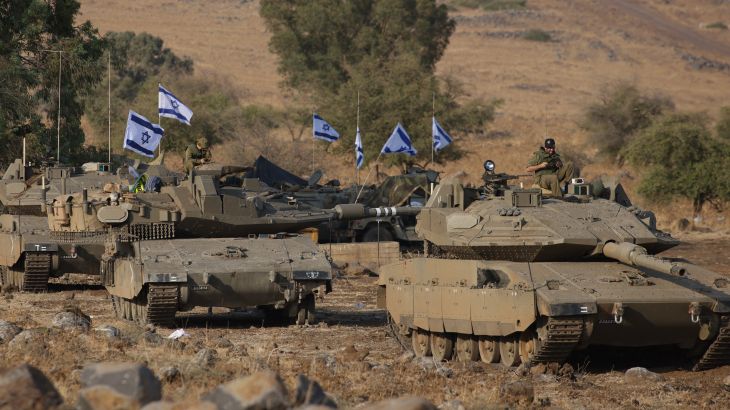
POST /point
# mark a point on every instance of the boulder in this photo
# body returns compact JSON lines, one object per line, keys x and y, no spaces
{"x":151,"y":338}
{"x":402,"y":403}
{"x":517,"y":392}
{"x":110,"y":332}
{"x":261,"y":390}
{"x":102,"y":397}
{"x":30,"y":340}
{"x":223,"y":343}
{"x":309,"y":392}
{"x":72,"y":319}
{"x":131,"y":380}
{"x":726,"y":383}
{"x":26,"y":387}
{"x":638,"y":374}
{"x":206,"y":357}
{"x":170,"y":373}
{"x":8,"y":331}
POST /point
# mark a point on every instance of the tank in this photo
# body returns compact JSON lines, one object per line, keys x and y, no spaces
{"x":509,"y":275}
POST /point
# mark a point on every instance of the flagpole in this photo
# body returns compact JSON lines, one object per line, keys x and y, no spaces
{"x":357,"y":129}
{"x":433,"y":115}
{"x":109,"y":94}
{"x":367,"y":177}
{"x":159,"y":120}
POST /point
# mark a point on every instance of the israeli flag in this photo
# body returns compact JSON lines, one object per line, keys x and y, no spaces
{"x":440,"y":137}
{"x":322,"y":130}
{"x":399,"y":142}
{"x":359,"y":154}
{"x":171,"y":107}
{"x":142,"y":136}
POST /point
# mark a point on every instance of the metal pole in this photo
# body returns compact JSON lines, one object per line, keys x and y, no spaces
{"x":433,"y":117}
{"x":58,"y":125}
{"x":109,"y":84}
{"x":159,"y":119}
{"x":357,"y":129}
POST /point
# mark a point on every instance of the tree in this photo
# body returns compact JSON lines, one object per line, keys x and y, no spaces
{"x":386,"y":51}
{"x":29,"y":89}
{"x":622,"y":112}
{"x":682,"y":159}
{"x":722,"y":128}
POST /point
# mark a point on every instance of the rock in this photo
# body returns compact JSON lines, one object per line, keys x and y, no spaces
{"x":223,"y":343}
{"x":170,"y":373}
{"x":518,"y":392}
{"x":8,"y":331}
{"x":72,"y":319}
{"x":26,"y":387}
{"x":151,"y":338}
{"x":350,"y":354}
{"x":637,"y":374}
{"x":309,"y":392}
{"x":452,"y":405}
{"x":29,"y":340}
{"x":426,"y":363}
{"x":238,"y":351}
{"x":444,"y":371}
{"x":132,"y":380}
{"x":261,"y":390}
{"x":104,"y":398}
{"x":406,"y":357}
{"x":522,"y":370}
{"x":726,"y":383}
{"x":402,"y":403}
{"x":539,"y":368}
{"x":206,"y":357}
{"x":110,"y":332}
{"x":159,"y":405}
{"x":567,"y":371}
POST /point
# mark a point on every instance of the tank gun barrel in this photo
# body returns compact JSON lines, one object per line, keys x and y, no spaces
{"x":359,"y":211}
{"x":635,"y":255}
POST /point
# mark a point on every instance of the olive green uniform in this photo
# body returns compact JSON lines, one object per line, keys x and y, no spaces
{"x":195,"y":156}
{"x":552,"y":177}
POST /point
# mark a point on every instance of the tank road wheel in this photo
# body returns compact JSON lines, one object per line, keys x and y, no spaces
{"x":529,"y":345}
{"x":467,"y":348}
{"x":442,"y":346}
{"x":509,"y":350}
{"x":305,"y":311}
{"x":489,"y":349}
{"x":421,"y":343}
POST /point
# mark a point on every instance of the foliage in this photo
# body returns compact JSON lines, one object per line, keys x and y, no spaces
{"x":538,"y":35}
{"x":722,"y":127}
{"x":29,"y":86}
{"x":718,"y":25}
{"x":682,"y":159}
{"x":384,"y":50}
{"x":490,"y":5}
{"x":622,"y":112}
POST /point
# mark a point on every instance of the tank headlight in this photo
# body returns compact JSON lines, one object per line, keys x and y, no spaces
{"x":489,"y":165}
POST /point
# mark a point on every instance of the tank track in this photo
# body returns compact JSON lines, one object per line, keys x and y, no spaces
{"x":562,"y":336}
{"x":718,"y":354}
{"x":37,"y":270}
{"x":162,"y":302}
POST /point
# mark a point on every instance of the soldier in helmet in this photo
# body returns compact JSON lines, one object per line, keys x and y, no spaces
{"x":551,"y":172}
{"x":197,"y":154}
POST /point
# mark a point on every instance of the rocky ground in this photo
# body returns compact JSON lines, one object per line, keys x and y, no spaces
{"x":349,"y":354}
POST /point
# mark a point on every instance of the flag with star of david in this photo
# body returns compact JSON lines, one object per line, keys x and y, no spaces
{"x":322,"y":130}
{"x":170,"y":106}
{"x":141,"y":135}
{"x":441,"y":138}
{"x":399,"y":142}
{"x":359,"y":154}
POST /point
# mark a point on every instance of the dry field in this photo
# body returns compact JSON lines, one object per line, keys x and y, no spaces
{"x":350,"y":353}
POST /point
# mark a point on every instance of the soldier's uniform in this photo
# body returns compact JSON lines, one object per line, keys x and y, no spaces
{"x":195,"y":156}
{"x":555,"y":175}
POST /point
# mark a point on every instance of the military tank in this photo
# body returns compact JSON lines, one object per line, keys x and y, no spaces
{"x":511,"y":276}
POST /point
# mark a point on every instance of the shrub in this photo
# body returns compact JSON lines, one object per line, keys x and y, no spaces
{"x":490,"y":5}
{"x":537,"y":35}
{"x":718,"y":25}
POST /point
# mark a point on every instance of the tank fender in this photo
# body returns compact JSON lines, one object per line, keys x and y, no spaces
{"x":130,"y":277}
{"x":549,"y":306}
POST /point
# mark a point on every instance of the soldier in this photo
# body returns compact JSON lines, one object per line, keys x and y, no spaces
{"x":550,"y":171}
{"x":197,"y":154}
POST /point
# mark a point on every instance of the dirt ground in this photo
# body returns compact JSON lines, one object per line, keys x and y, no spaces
{"x":349,"y":352}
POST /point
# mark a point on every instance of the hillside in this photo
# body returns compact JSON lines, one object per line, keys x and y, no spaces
{"x":660,"y":46}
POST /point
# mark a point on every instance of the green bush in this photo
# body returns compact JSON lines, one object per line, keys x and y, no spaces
{"x":722,"y":127}
{"x":490,"y":5}
{"x":537,"y":35}
{"x":718,"y":25}
{"x":622,"y":112}
{"x":680,"y":158}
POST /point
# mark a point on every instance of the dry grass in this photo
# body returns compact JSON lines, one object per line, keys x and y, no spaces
{"x":545,"y":85}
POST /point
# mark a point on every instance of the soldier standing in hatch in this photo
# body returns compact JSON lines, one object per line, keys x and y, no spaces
{"x":197,"y":154}
{"x":550,"y":171}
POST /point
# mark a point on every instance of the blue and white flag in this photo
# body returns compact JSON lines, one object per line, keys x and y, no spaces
{"x":440,"y":137}
{"x":359,"y":154}
{"x":171,"y":107}
{"x":142,"y":136}
{"x":322,"y":130}
{"x":399,"y":142}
